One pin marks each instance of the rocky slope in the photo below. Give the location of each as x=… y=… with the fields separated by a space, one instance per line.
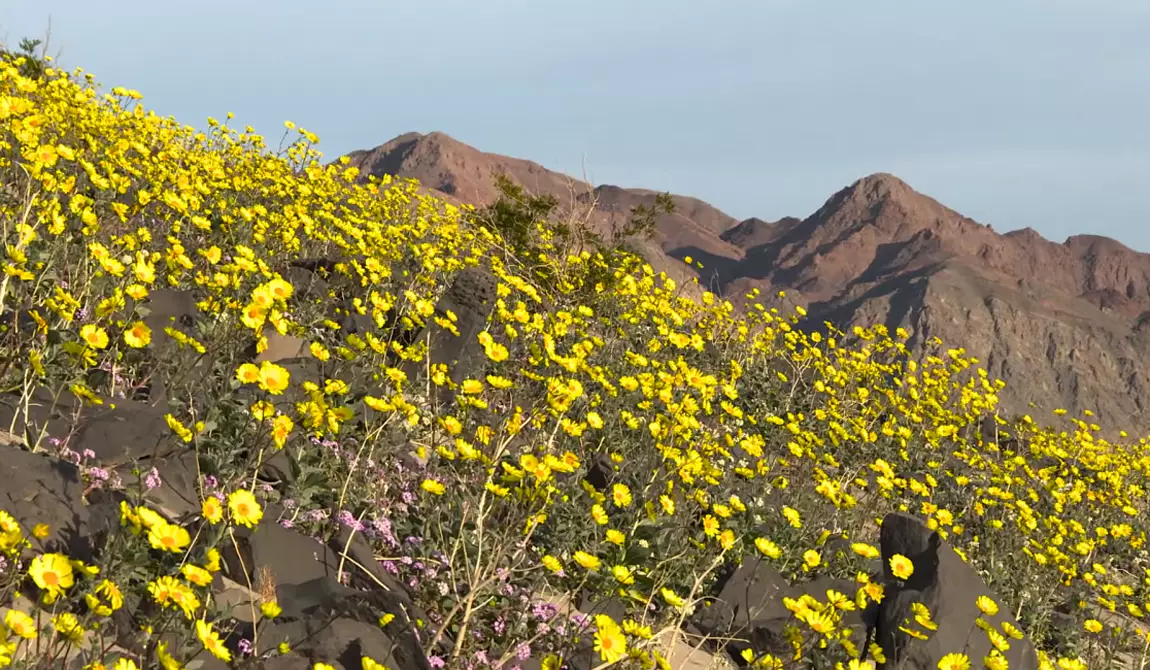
x=1066 y=325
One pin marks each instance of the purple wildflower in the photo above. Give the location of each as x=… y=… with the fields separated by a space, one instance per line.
x=544 y=611
x=152 y=479
x=346 y=518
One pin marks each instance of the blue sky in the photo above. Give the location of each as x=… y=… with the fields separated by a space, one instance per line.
x=1022 y=113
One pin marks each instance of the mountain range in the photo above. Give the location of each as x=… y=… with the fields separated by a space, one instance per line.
x=1064 y=324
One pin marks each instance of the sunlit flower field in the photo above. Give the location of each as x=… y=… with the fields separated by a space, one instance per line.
x=620 y=442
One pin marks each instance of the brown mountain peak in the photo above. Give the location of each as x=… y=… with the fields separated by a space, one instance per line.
x=878 y=193
x=883 y=183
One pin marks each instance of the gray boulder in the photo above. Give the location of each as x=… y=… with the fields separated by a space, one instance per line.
x=949 y=588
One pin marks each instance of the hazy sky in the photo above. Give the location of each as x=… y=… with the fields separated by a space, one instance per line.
x=1021 y=113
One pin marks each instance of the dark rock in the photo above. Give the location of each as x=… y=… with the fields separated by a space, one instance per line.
x=35 y=488
x=614 y=607
x=308 y=287
x=42 y=417
x=123 y=432
x=948 y=587
x=470 y=298
x=290 y=558
x=600 y=472
x=323 y=267
x=287 y=556
x=345 y=641
x=179 y=492
x=749 y=608
x=170 y=307
x=119 y=434
x=351 y=322
x=323 y=620
x=293 y=661
x=175 y=308
x=279 y=348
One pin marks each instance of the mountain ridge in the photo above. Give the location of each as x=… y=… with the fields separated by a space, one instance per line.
x=1068 y=321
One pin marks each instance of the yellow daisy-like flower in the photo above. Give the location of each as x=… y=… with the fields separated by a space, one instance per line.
x=212 y=561
x=280 y=289
x=211 y=641
x=621 y=495
x=20 y=624
x=986 y=605
x=433 y=487
x=273 y=378
x=586 y=560
x=52 y=573
x=196 y=575
x=623 y=574
x=136 y=291
x=610 y=642
x=244 y=508
x=496 y=352
x=954 y=661
x=901 y=566
x=167 y=661
x=281 y=429
x=138 y=335
x=248 y=373
x=995 y=661
x=94 y=336
x=169 y=537
x=768 y=548
x=68 y=626
x=212 y=510
x=270 y=609
x=672 y=598
x=262 y=409
x=471 y=387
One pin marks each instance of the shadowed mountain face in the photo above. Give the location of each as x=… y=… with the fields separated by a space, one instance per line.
x=1065 y=325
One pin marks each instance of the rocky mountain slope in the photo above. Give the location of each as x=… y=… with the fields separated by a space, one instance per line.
x=1065 y=325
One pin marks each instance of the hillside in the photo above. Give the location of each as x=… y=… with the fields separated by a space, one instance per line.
x=258 y=414
x=1065 y=325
